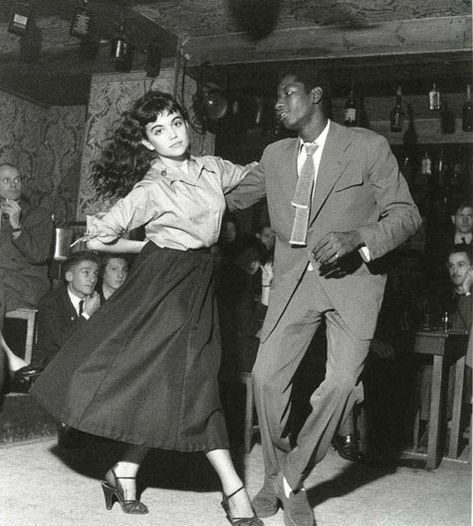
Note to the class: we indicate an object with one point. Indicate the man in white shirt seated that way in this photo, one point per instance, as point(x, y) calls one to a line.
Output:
point(63, 309)
point(463, 222)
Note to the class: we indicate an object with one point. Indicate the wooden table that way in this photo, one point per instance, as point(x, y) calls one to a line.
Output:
point(444, 347)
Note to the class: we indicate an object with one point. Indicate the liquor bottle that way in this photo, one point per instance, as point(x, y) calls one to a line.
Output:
point(441, 169)
point(410, 137)
point(351, 110)
point(121, 50)
point(467, 111)
point(20, 18)
point(447, 118)
point(426, 165)
point(434, 98)
point(81, 21)
point(397, 113)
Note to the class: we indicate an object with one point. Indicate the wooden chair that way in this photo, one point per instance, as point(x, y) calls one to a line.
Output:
point(250, 428)
point(30, 316)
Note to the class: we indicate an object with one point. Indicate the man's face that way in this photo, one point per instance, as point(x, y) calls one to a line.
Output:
point(267, 237)
point(10, 183)
point(115, 273)
point(82, 278)
point(294, 106)
point(458, 266)
point(463, 220)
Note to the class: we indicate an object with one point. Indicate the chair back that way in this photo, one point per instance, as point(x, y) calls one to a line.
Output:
point(30, 338)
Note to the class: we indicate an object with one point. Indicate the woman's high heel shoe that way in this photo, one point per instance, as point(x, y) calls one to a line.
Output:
point(239, 521)
point(115, 492)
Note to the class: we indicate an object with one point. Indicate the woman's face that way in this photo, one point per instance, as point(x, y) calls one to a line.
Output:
point(115, 273)
point(168, 136)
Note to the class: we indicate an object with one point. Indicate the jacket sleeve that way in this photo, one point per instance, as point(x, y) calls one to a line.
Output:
point(55, 326)
point(35, 239)
point(250, 190)
point(399, 217)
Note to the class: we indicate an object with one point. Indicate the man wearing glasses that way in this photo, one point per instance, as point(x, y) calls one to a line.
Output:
point(25, 240)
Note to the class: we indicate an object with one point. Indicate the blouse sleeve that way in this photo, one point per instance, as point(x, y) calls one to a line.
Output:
point(232, 174)
point(130, 212)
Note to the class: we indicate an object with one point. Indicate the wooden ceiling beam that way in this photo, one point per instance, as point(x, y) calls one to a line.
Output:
point(401, 37)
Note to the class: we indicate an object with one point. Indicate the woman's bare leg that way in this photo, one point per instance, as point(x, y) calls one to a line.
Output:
point(128, 466)
point(240, 505)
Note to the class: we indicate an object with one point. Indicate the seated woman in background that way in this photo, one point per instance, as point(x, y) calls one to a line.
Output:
point(113, 273)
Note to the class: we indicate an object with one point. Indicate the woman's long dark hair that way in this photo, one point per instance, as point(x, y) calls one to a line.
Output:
point(125, 160)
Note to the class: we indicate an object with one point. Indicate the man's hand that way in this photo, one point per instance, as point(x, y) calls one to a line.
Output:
point(13, 210)
point(468, 281)
point(335, 245)
point(266, 274)
point(91, 303)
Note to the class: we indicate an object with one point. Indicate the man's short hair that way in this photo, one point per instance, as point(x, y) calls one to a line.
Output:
point(78, 257)
point(462, 205)
point(9, 165)
point(311, 77)
point(460, 248)
point(107, 256)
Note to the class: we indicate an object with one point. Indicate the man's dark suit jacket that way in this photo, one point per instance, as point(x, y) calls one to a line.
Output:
point(57, 321)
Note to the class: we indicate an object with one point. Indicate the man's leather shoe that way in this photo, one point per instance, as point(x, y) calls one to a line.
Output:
point(346, 447)
point(265, 503)
point(297, 510)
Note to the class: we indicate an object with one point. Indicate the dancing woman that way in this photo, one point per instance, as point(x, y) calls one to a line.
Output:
point(144, 370)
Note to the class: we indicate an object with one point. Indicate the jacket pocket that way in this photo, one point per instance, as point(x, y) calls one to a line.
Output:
point(349, 179)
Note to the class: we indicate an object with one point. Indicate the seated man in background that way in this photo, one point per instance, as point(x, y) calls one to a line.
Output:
point(463, 222)
point(25, 241)
point(113, 273)
point(61, 312)
point(460, 313)
point(63, 309)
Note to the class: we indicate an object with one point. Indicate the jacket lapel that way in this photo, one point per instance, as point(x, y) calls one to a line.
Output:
point(289, 174)
point(331, 168)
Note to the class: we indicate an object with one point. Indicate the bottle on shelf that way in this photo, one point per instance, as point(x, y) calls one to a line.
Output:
point(81, 21)
point(441, 168)
point(434, 98)
point(426, 165)
point(447, 118)
point(467, 112)
point(351, 109)
point(397, 113)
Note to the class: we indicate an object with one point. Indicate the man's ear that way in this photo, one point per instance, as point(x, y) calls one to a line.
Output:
point(68, 276)
point(453, 219)
point(317, 94)
point(147, 144)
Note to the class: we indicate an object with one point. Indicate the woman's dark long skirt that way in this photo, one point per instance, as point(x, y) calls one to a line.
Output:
point(143, 369)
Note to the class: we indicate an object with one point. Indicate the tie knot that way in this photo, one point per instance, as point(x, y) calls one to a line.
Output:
point(310, 147)
point(81, 307)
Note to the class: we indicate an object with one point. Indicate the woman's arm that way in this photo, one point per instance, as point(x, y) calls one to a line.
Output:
point(122, 245)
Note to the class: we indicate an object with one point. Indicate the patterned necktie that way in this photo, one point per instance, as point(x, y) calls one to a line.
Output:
point(303, 197)
point(81, 307)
